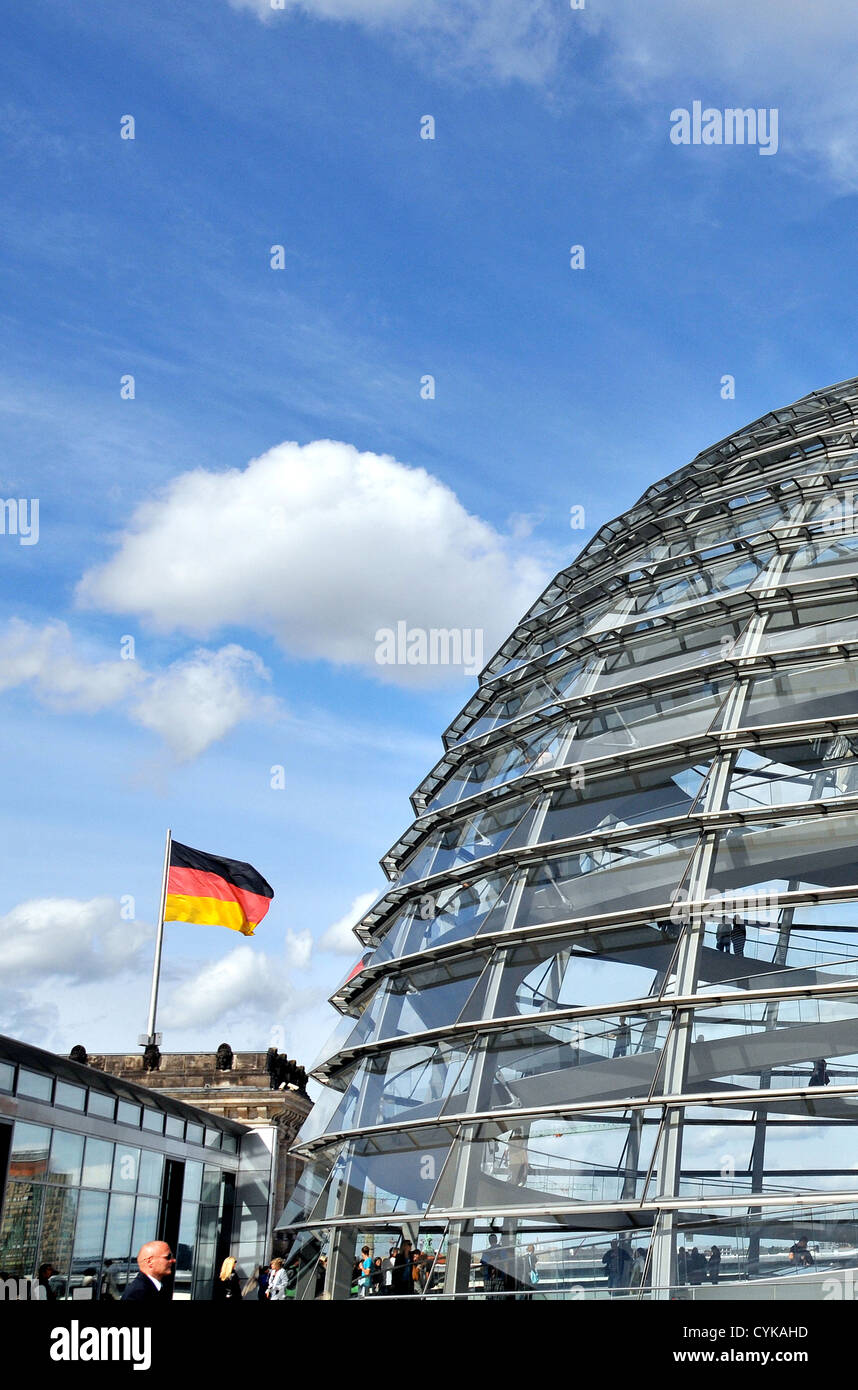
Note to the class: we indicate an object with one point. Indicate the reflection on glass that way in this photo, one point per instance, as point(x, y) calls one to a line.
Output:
point(89, 1238)
point(58, 1223)
point(29, 1154)
point(22, 1210)
point(120, 1218)
point(97, 1163)
point(151, 1173)
point(66, 1157)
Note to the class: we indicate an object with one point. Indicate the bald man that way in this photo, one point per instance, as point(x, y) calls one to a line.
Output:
point(157, 1264)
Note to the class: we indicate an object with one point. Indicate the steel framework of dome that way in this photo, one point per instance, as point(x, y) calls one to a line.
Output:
point(612, 990)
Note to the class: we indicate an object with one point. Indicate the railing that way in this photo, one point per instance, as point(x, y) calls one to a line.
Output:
point(788, 1288)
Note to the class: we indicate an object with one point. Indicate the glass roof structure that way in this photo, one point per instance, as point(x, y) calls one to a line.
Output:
point(611, 992)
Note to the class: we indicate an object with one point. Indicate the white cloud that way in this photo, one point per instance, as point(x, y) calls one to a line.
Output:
point(245, 978)
point(60, 956)
point(24, 1016)
point(796, 56)
point(191, 703)
point(340, 935)
point(246, 986)
point(321, 546)
point(505, 39)
point(46, 658)
point(69, 938)
point(199, 699)
point(299, 948)
point(792, 54)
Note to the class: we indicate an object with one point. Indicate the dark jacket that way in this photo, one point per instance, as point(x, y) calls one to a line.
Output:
point(227, 1288)
point(141, 1290)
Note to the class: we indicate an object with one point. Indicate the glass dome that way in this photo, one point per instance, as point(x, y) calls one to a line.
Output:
point(612, 991)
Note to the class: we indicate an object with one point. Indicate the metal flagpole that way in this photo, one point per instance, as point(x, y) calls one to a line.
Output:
point(151, 1037)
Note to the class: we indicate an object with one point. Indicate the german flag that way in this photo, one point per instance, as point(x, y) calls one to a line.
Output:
point(212, 891)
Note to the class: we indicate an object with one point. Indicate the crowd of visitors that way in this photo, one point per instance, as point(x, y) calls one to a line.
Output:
point(505, 1270)
point(694, 1267)
point(403, 1270)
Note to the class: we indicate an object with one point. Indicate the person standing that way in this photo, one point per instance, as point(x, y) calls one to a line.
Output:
point(738, 936)
point(800, 1254)
point(518, 1164)
point(156, 1264)
point(530, 1271)
point(714, 1264)
point(278, 1282)
point(696, 1266)
point(227, 1285)
point(491, 1268)
point(820, 1075)
point(388, 1271)
point(618, 1263)
point(403, 1280)
point(622, 1037)
point(365, 1275)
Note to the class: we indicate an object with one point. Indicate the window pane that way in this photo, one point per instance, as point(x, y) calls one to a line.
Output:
point(126, 1165)
point(145, 1222)
point(211, 1185)
point(98, 1163)
point(193, 1182)
point(57, 1233)
point(611, 803)
point(34, 1084)
point(194, 1133)
point(7, 1076)
point(128, 1114)
point(212, 1138)
point(207, 1233)
point(608, 878)
point(389, 1174)
point(151, 1173)
point(426, 997)
point(73, 1097)
point(66, 1158)
point(185, 1247)
point(314, 1176)
point(20, 1228)
point(89, 1238)
point(120, 1220)
point(175, 1127)
point(101, 1104)
point(806, 692)
point(30, 1146)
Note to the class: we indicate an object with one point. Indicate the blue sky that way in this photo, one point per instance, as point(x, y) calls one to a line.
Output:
point(253, 590)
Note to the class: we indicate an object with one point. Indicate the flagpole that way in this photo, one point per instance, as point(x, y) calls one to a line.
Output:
point(159, 941)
